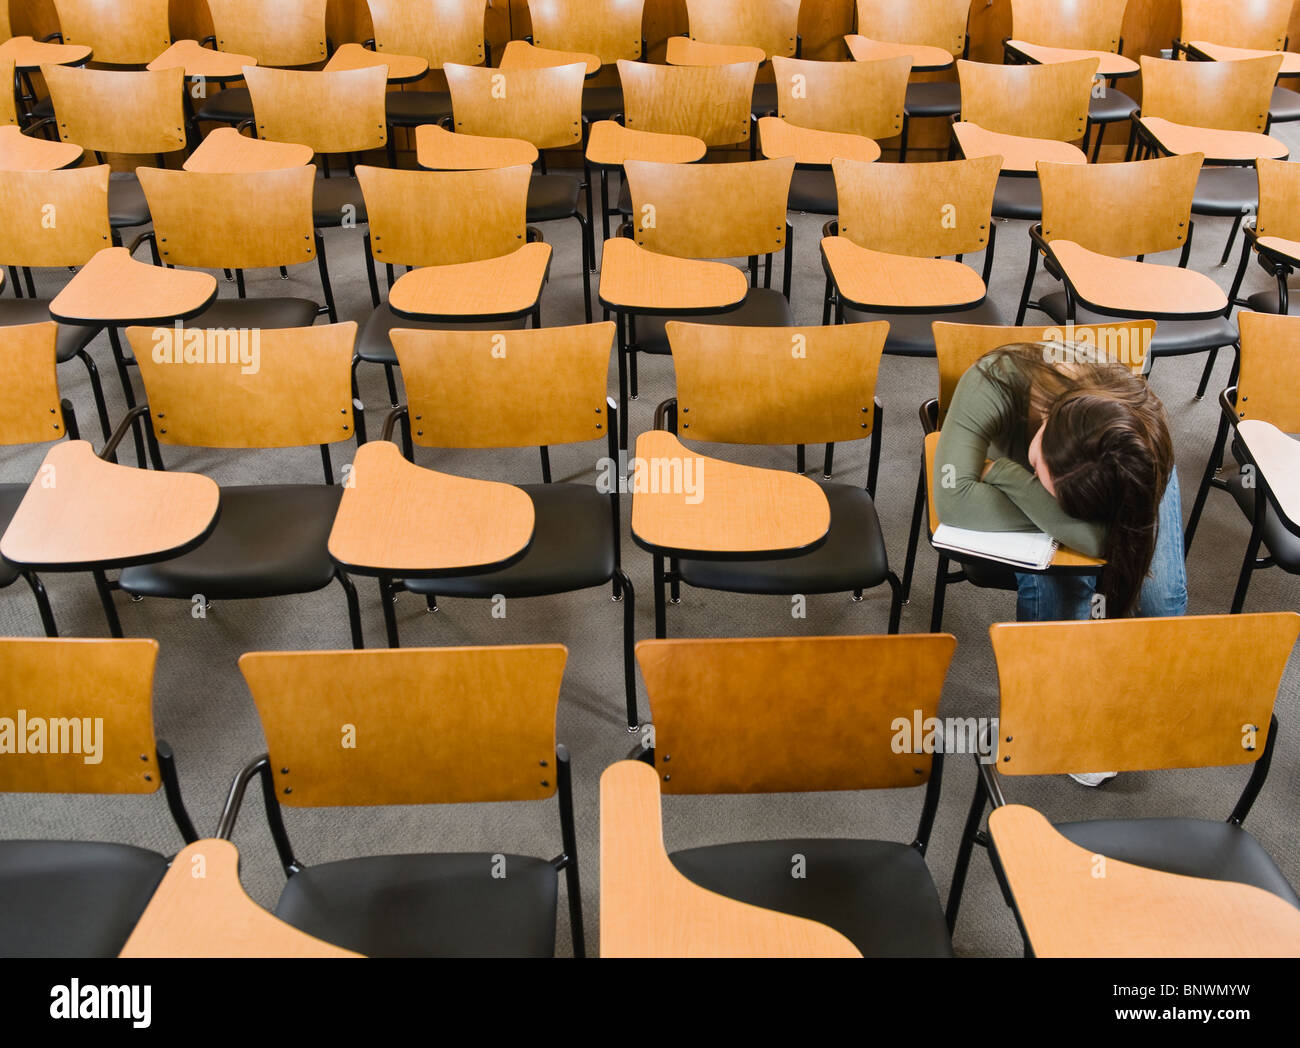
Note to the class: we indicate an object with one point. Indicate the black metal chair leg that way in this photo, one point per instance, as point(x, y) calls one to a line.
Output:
point(940, 586)
point(42, 603)
point(661, 616)
point(1248, 563)
point(106, 599)
point(629, 649)
point(392, 384)
point(386, 597)
point(895, 601)
point(588, 255)
point(1214, 464)
point(1232, 239)
point(1205, 375)
point(914, 535)
point(968, 839)
point(354, 609)
point(97, 391)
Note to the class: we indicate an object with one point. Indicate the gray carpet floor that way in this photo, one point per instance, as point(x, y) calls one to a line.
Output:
point(203, 708)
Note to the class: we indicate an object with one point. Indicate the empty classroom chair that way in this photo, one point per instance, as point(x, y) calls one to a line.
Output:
point(31, 412)
point(933, 33)
point(273, 388)
point(281, 33)
point(470, 229)
point(121, 32)
point(1048, 725)
point(883, 257)
point(1219, 109)
point(827, 110)
point(1267, 390)
point(1045, 31)
point(68, 898)
point(820, 713)
point(608, 29)
point(736, 385)
point(435, 726)
point(1100, 221)
point(542, 106)
point(1273, 239)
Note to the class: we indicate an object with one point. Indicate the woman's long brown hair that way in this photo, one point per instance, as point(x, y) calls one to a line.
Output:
point(1106, 445)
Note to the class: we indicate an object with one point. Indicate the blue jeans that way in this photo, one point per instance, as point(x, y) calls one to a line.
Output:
point(1053, 598)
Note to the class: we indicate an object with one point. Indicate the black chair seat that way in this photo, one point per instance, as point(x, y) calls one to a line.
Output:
point(572, 549)
point(813, 192)
point(427, 905)
point(73, 898)
point(1284, 106)
point(601, 103)
point(270, 541)
point(763, 307)
point(257, 313)
point(624, 203)
point(553, 196)
point(413, 108)
point(375, 347)
point(43, 108)
point(127, 205)
point(765, 100)
point(71, 338)
point(1191, 847)
point(1111, 107)
point(910, 334)
point(1226, 191)
point(331, 196)
point(1282, 545)
point(852, 557)
point(10, 496)
point(1267, 302)
point(1172, 337)
point(1018, 197)
point(877, 894)
point(942, 98)
point(230, 106)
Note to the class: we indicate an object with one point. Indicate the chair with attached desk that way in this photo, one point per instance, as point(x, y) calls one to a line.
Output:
point(883, 257)
point(769, 26)
point(819, 713)
point(933, 33)
point(543, 106)
point(31, 412)
point(432, 726)
point(648, 909)
point(1273, 238)
point(273, 228)
point(1228, 31)
point(958, 348)
point(1162, 693)
point(1046, 31)
point(827, 110)
point(1219, 109)
point(657, 272)
point(280, 33)
point(80, 898)
point(516, 389)
point(80, 200)
point(209, 388)
point(608, 29)
point(478, 264)
point(1066, 908)
point(710, 101)
point(1266, 394)
point(120, 32)
point(769, 386)
point(439, 31)
point(140, 112)
point(1024, 114)
point(1100, 221)
point(335, 113)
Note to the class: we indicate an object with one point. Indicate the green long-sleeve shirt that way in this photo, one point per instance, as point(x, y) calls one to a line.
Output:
point(985, 421)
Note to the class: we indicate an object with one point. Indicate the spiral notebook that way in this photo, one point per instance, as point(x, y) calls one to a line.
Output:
point(1021, 549)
